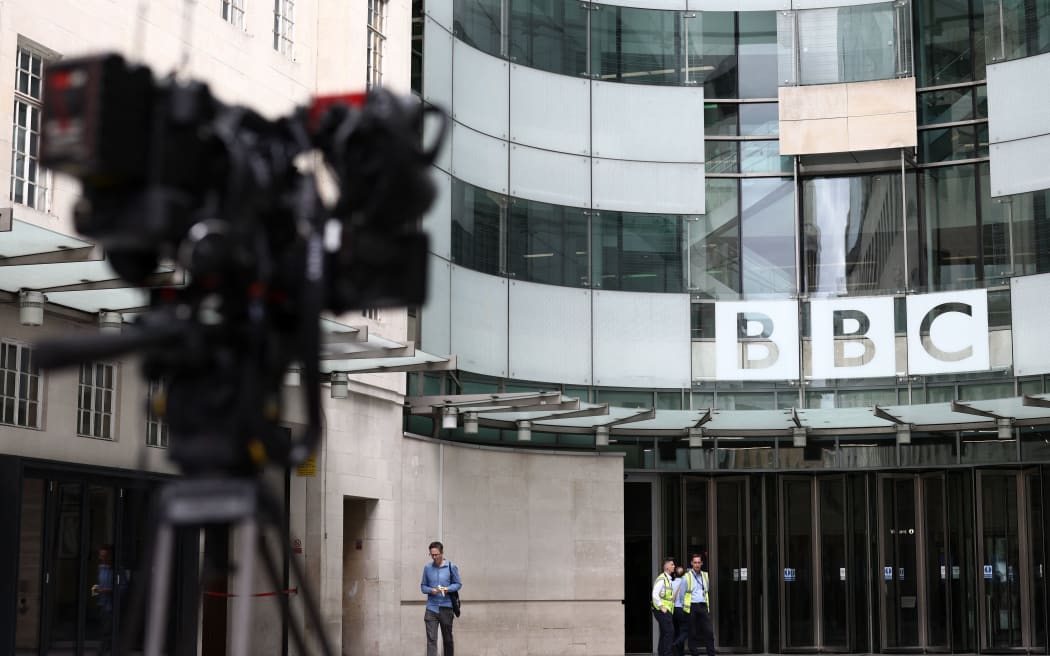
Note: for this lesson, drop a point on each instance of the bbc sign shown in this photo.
(852, 337)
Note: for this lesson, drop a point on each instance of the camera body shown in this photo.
(171, 174)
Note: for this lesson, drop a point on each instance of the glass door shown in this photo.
(834, 591)
(1000, 561)
(1036, 577)
(64, 594)
(730, 567)
(937, 562)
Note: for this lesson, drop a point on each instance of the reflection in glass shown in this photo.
(946, 106)
(719, 63)
(638, 252)
(1037, 572)
(1025, 28)
(948, 144)
(1029, 215)
(937, 559)
(476, 216)
(833, 565)
(995, 232)
(66, 591)
(951, 228)
(758, 54)
(714, 242)
(547, 243)
(731, 556)
(847, 44)
(479, 23)
(30, 567)
(550, 36)
(999, 542)
(945, 51)
(638, 46)
(721, 156)
(759, 120)
(763, 157)
(900, 587)
(797, 575)
(746, 401)
(720, 119)
(768, 236)
(852, 242)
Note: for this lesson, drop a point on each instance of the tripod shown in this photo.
(234, 502)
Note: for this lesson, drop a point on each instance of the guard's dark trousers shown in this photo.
(443, 618)
(700, 629)
(665, 621)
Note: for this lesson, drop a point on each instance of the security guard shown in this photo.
(663, 607)
(700, 627)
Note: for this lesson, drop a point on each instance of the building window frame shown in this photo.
(157, 434)
(96, 400)
(30, 183)
(377, 15)
(284, 27)
(21, 387)
(233, 12)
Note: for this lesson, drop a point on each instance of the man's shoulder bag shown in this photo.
(454, 596)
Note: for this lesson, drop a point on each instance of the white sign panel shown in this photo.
(852, 337)
(756, 340)
(948, 332)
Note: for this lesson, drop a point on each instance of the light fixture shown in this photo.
(696, 437)
(340, 385)
(524, 431)
(449, 417)
(31, 308)
(601, 436)
(293, 377)
(470, 422)
(903, 433)
(798, 436)
(110, 322)
(1005, 427)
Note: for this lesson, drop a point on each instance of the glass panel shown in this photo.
(65, 595)
(947, 144)
(987, 448)
(638, 554)
(479, 23)
(944, 48)
(995, 233)
(866, 398)
(982, 391)
(639, 46)
(847, 44)
(834, 588)
(852, 237)
(550, 36)
(768, 236)
(797, 574)
(937, 567)
(547, 243)
(759, 120)
(758, 54)
(102, 576)
(951, 228)
(1001, 579)
(1037, 549)
(946, 106)
(30, 567)
(1025, 27)
(1029, 216)
(745, 401)
(731, 558)
(476, 227)
(638, 252)
(714, 242)
(720, 120)
(696, 518)
(669, 400)
(763, 157)
(721, 157)
(999, 308)
(719, 61)
(900, 566)
(703, 400)
(625, 399)
(963, 567)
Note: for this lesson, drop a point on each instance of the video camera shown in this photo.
(172, 175)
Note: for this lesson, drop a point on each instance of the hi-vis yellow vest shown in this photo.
(666, 595)
(687, 599)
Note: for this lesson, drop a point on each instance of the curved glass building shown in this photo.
(792, 259)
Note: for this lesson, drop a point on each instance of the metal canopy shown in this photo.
(19, 239)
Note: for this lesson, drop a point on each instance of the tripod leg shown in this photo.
(275, 580)
(157, 625)
(271, 513)
(247, 538)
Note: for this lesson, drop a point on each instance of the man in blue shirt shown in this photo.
(439, 578)
(700, 629)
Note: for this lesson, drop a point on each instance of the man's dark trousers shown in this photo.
(444, 618)
(666, 623)
(701, 629)
(681, 630)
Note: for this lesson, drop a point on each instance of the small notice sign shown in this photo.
(743, 573)
(307, 467)
(887, 573)
(842, 573)
(987, 571)
(789, 574)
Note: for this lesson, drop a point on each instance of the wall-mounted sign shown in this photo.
(987, 571)
(887, 573)
(789, 574)
(852, 337)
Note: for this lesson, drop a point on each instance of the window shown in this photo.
(233, 12)
(95, 400)
(156, 427)
(283, 26)
(29, 182)
(376, 39)
(370, 313)
(19, 386)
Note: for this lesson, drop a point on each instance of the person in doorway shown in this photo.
(439, 578)
(683, 592)
(700, 628)
(102, 591)
(663, 607)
